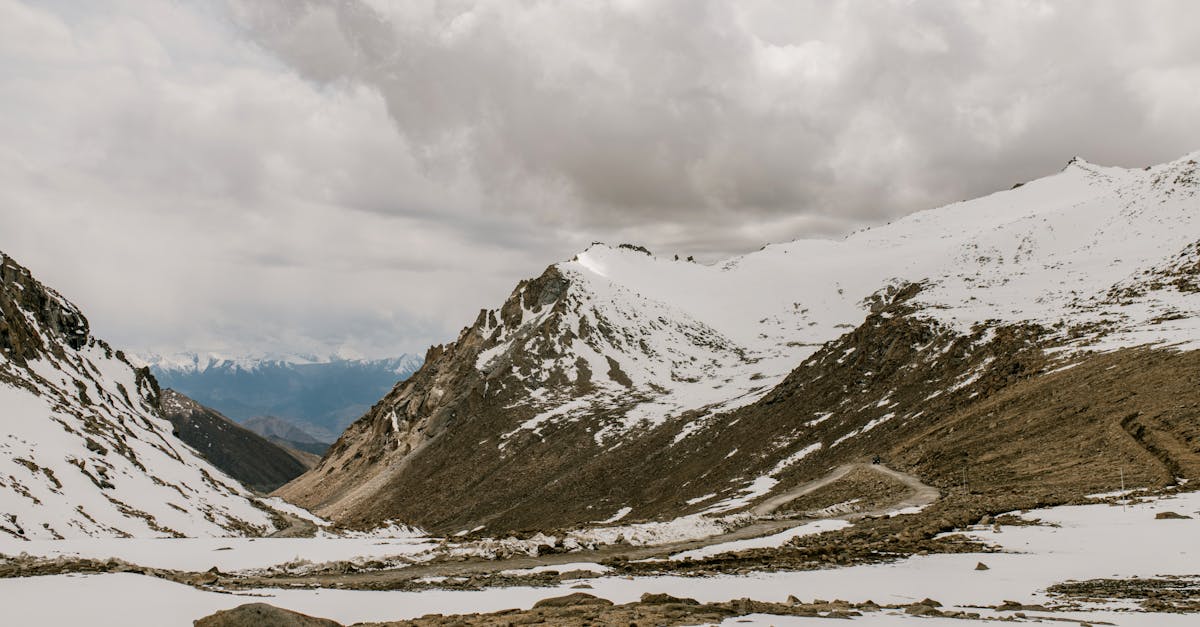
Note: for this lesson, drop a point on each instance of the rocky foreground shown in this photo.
(580, 608)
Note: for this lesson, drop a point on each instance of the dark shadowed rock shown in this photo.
(920, 609)
(666, 598)
(1170, 516)
(246, 456)
(572, 600)
(262, 615)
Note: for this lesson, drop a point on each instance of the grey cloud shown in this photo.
(307, 175)
(606, 115)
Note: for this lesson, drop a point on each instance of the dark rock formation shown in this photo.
(262, 615)
(244, 455)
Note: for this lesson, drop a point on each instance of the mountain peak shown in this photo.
(48, 317)
(624, 357)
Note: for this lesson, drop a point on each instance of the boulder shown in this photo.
(262, 615)
(662, 599)
(572, 600)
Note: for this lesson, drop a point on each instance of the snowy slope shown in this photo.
(1073, 251)
(83, 452)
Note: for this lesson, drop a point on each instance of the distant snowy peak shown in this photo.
(185, 362)
(83, 449)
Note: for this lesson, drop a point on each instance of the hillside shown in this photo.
(83, 451)
(255, 461)
(321, 395)
(289, 436)
(619, 385)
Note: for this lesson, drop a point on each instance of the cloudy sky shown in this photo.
(363, 175)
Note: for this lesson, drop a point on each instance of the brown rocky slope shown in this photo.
(989, 410)
(999, 344)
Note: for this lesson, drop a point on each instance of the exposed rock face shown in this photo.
(35, 320)
(619, 380)
(83, 450)
(242, 454)
(378, 446)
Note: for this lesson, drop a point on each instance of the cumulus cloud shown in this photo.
(314, 175)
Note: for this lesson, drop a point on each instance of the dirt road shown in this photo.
(920, 495)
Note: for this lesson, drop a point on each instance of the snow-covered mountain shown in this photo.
(191, 361)
(83, 449)
(616, 351)
(319, 394)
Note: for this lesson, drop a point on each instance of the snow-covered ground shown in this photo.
(771, 541)
(1093, 541)
(226, 554)
(891, 619)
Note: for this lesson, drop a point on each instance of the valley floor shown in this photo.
(1145, 562)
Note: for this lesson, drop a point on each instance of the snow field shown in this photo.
(1092, 541)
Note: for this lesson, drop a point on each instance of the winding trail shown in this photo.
(297, 528)
(920, 495)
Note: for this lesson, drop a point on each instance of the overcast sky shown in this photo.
(364, 175)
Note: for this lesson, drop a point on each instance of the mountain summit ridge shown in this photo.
(615, 349)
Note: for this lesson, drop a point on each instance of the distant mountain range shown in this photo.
(318, 395)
